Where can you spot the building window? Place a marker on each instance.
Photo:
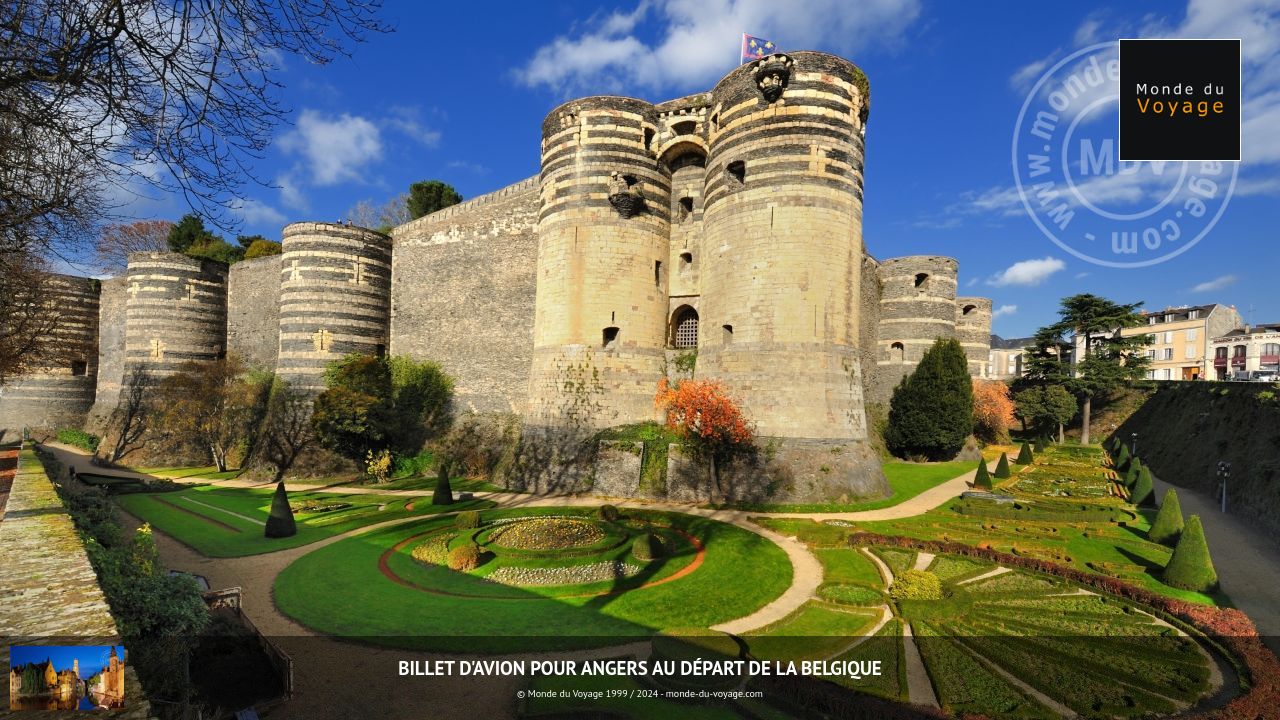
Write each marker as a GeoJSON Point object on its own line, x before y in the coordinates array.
{"type": "Point", "coordinates": [1192, 334]}
{"type": "Point", "coordinates": [1168, 318]}
{"type": "Point", "coordinates": [686, 208]}
{"type": "Point", "coordinates": [1151, 354]}
{"type": "Point", "coordinates": [1193, 315]}
{"type": "Point", "coordinates": [921, 279]}
{"type": "Point", "coordinates": [735, 174]}
{"type": "Point", "coordinates": [1151, 320]}
{"type": "Point", "coordinates": [726, 334]}
{"type": "Point", "coordinates": [610, 337]}
{"type": "Point", "coordinates": [1220, 353]}
{"type": "Point", "coordinates": [1271, 349]}
{"type": "Point", "coordinates": [684, 327]}
{"type": "Point", "coordinates": [897, 352]}
{"type": "Point", "coordinates": [657, 273]}
{"type": "Point", "coordinates": [684, 128]}
{"type": "Point", "coordinates": [686, 259]}
{"type": "Point", "coordinates": [1191, 351]}
{"type": "Point", "coordinates": [1168, 337]}
{"type": "Point", "coordinates": [648, 138]}
{"type": "Point", "coordinates": [1168, 354]}
{"type": "Point", "coordinates": [79, 367]}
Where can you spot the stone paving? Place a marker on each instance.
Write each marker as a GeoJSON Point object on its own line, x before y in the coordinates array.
{"type": "Point", "coordinates": [49, 593]}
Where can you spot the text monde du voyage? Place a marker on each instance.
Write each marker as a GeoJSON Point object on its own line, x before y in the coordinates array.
{"type": "Point", "coordinates": [1180, 99]}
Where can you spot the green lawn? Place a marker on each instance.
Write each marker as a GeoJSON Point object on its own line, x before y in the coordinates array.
{"type": "Point", "coordinates": [907, 480]}
{"type": "Point", "coordinates": [817, 631]}
{"type": "Point", "coordinates": [229, 522]}
{"type": "Point", "coordinates": [332, 589]}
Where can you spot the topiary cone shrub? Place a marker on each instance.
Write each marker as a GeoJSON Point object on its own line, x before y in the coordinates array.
{"type": "Point", "coordinates": [982, 480]}
{"type": "Point", "coordinates": [280, 521]}
{"type": "Point", "coordinates": [647, 547]}
{"type": "Point", "coordinates": [1122, 459]}
{"type": "Point", "coordinates": [1042, 443]}
{"type": "Point", "coordinates": [1167, 526]}
{"type": "Point", "coordinates": [1190, 567]}
{"type": "Point", "coordinates": [1131, 475]}
{"type": "Point", "coordinates": [467, 520]}
{"type": "Point", "coordinates": [444, 491]}
{"type": "Point", "coordinates": [608, 513]}
{"type": "Point", "coordinates": [1143, 489]}
{"type": "Point", "coordinates": [465, 557]}
{"type": "Point", "coordinates": [1002, 467]}
{"type": "Point", "coordinates": [1024, 454]}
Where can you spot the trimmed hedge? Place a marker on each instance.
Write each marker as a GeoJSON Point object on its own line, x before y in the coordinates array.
{"type": "Point", "coordinates": [1143, 489]}
{"type": "Point", "coordinates": [1002, 467]}
{"type": "Point", "coordinates": [647, 547]}
{"type": "Point", "coordinates": [1167, 526]}
{"type": "Point", "coordinates": [465, 557]}
{"type": "Point", "coordinates": [1229, 627]}
{"type": "Point", "coordinates": [982, 480]}
{"type": "Point", "coordinates": [280, 522]}
{"type": "Point", "coordinates": [1024, 455]}
{"type": "Point", "coordinates": [1190, 566]}
{"type": "Point", "coordinates": [608, 513]}
{"type": "Point", "coordinates": [79, 438]}
{"type": "Point", "coordinates": [467, 520]}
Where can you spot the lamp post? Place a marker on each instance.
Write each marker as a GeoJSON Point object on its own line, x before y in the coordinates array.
{"type": "Point", "coordinates": [1224, 474]}
{"type": "Point", "coordinates": [1133, 448]}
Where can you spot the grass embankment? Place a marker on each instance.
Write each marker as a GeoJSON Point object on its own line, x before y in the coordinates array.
{"type": "Point", "coordinates": [1064, 512]}
{"type": "Point", "coordinates": [330, 590]}
{"type": "Point", "coordinates": [229, 522]}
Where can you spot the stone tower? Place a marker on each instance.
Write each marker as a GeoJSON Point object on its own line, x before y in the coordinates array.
{"type": "Point", "coordinates": [60, 390]}
{"type": "Point", "coordinates": [175, 311]}
{"type": "Point", "coordinates": [335, 298]}
{"type": "Point", "coordinates": [782, 228]}
{"type": "Point", "coordinates": [973, 330]}
{"type": "Point", "coordinates": [599, 332]}
{"type": "Point", "coordinates": [917, 306]}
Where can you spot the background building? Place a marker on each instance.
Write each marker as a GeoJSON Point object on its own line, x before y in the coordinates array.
{"type": "Point", "coordinates": [1246, 350]}
{"type": "Point", "coordinates": [1006, 357]}
{"type": "Point", "coordinates": [1179, 339]}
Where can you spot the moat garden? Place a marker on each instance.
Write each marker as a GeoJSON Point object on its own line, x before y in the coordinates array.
{"type": "Point", "coordinates": [1045, 596]}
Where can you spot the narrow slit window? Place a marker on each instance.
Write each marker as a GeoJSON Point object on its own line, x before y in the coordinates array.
{"type": "Point", "coordinates": [648, 138]}
{"type": "Point", "coordinates": [79, 367]}
{"type": "Point", "coordinates": [921, 279]}
{"type": "Point", "coordinates": [657, 273]}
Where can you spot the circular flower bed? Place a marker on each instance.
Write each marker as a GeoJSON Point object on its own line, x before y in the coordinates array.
{"type": "Point", "coordinates": [568, 575]}
{"type": "Point", "coordinates": [547, 534]}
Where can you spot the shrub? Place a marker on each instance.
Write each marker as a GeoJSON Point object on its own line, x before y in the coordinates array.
{"type": "Point", "coordinates": [1131, 476]}
{"type": "Point", "coordinates": [931, 412]}
{"type": "Point", "coordinates": [467, 520]}
{"type": "Point", "coordinates": [1002, 467]}
{"type": "Point", "coordinates": [1024, 454]}
{"type": "Point", "coordinates": [647, 547]}
{"type": "Point", "coordinates": [1122, 458]}
{"type": "Point", "coordinates": [1143, 489]}
{"type": "Point", "coordinates": [465, 557]}
{"type": "Point", "coordinates": [916, 585]}
{"type": "Point", "coordinates": [262, 248]}
{"type": "Point", "coordinates": [1168, 523]}
{"type": "Point", "coordinates": [280, 522]}
{"type": "Point", "coordinates": [1042, 443]}
{"type": "Point", "coordinates": [434, 550]}
{"type": "Point", "coordinates": [79, 438]}
{"type": "Point", "coordinates": [992, 410]}
{"type": "Point", "coordinates": [444, 491]}
{"type": "Point", "coordinates": [608, 513]}
{"type": "Point", "coordinates": [1190, 566]}
{"type": "Point", "coordinates": [982, 480]}
{"type": "Point", "coordinates": [404, 466]}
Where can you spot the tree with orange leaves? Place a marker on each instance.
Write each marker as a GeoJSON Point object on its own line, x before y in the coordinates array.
{"type": "Point", "coordinates": [708, 419]}
{"type": "Point", "coordinates": [992, 410]}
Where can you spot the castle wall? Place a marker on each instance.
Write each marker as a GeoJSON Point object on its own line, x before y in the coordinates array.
{"type": "Point", "coordinates": [60, 391]}
{"type": "Point", "coordinates": [917, 306]}
{"type": "Point", "coordinates": [600, 321]}
{"type": "Point", "coordinates": [111, 332]}
{"type": "Point", "coordinates": [253, 311]}
{"type": "Point", "coordinates": [335, 298]}
{"type": "Point", "coordinates": [783, 233]}
{"type": "Point", "coordinates": [463, 289]}
{"type": "Point", "coordinates": [973, 330]}
{"type": "Point", "coordinates": [176, 311]}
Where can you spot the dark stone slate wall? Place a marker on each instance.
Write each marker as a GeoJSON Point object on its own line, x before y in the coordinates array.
{"type": "Point", "coordinates": [253, 311]}
{"type": "Point", "coordinates": [176, 311]}
{"type": "Point", "coordinates": [111, 333]}
{"type": "Point", "coordinates": [463, 294]}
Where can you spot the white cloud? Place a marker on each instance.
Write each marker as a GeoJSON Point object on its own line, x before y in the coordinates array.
{"type": "Point", "coordinates": [1217, 283]}
{"type": "Point", "coordinates": [408, 120]}
{"type": "Point", "coordinates": [335, 149]}
{"type": "Point", "coordinates": [1004, 310]}
{"type": "Point", "coordinates": [1027, 272]}
{"type": "Point", "coordinates": [291, 192]}
{"type": "Point", "coordinates": [1081, 275]}
{"type": "Point", "coordinates": [698, 40]}
{"type": "Point", "coordinates": [256, 212]}
{"type": "Point", "coordinates": [469, 167]}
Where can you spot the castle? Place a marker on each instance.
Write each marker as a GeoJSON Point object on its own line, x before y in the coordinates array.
{"type": "Point", "coordinates": [727, 222]}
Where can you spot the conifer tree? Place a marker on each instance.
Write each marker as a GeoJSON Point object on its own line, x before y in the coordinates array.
{"type": "Point", "coordinates": [1190, 566]}
{"type": "Point", "coordinates": [1002, 467]}
{"type": "Point", "coordinates": [982, 480]}
{"type": "Point", "coordinates": [280, 521]}
{"type": "Point", "coordinates": [1024, 454]}
{"type": "Point", "coordinates": [1143, 489]}
{"type": "Point", "coordinates": [931, 412]}
{"type": "Point", "coordinates": [1167, 526]}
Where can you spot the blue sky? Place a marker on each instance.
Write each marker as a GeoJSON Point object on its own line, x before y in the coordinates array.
{"type": "Point", "coordinates": [458, 92]}
{"type": "Point", "coordinates": [93, 658]}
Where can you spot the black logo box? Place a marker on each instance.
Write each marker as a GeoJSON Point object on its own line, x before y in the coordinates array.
{"type": "Point", "coordinates": [1183, 65]}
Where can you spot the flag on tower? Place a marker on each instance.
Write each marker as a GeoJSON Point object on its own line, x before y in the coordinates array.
{"type": "Point", "coordinates": [754, 48]}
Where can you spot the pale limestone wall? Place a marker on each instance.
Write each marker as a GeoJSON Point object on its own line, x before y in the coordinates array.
{"type": "Point", "coordinates": [462, 294]}
{"type": "Point", "coordinates": [973, 330]}
{"type": "Point", "coordinates": [253, 311]}
{"type": "Point", "coordinates": [602, 297]}
{"type": "Point", "coordinates": [784, 249]}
